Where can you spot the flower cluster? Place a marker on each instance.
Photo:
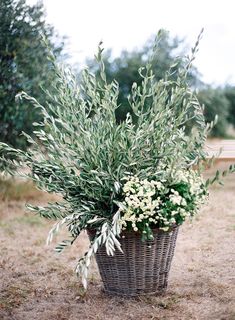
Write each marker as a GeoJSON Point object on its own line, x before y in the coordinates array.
{"type": "Point", "coordinates": [153, 204]}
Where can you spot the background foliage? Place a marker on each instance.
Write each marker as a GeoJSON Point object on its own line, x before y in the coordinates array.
{"type": "Point", "coordinates": [124, 69]}
{"type": "Point", "coordinates": [229, 92]}
{"type": "Point", "coordinates": [23, 66]}
{"type": "Point", "coordinates": [218, 101]}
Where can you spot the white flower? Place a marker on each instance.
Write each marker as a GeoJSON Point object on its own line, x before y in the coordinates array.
{"type": "Point", "coordinates": [158, 185]}
{"type": "Point", "coordinates": [175, 199]}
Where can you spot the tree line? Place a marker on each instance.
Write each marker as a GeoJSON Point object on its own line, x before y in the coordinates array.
{"type": "Point", "coordinates": [24, 66]}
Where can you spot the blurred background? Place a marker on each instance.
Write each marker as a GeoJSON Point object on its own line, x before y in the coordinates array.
{"type": "Point", "coordinates": [73, 30]}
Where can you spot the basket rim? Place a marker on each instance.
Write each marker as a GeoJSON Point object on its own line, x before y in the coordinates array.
{"type": "Point", "coordinates": [128, 232]}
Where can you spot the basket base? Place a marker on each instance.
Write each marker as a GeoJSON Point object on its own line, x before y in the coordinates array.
{"type": "Point", "coordinates": [113, 292]}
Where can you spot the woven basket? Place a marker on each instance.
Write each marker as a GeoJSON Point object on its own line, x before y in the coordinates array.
{"type": "Point", "coordinates": [142, 269]}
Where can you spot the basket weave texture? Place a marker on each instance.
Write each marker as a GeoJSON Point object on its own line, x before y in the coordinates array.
{"type": "Point", "coordinates": [142, 268]}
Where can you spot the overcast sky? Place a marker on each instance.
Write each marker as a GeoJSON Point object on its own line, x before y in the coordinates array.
{"type": "Point", "coordinates": [126, 24]}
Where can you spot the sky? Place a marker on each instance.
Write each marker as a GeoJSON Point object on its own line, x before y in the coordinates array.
{"type": "Point", "coordinates": [127, 24]}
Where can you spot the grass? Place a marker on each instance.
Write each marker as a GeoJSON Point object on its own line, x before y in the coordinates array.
{"type": "Point", "coordinates": [14, 296]}
{"type": "Point", "coordinates": [28, 219]}
{"type": "Point", "coordinates": [11, 189]}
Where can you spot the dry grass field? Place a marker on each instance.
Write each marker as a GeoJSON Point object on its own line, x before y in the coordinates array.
{"type": "Point", "coordinates": [37, 284]}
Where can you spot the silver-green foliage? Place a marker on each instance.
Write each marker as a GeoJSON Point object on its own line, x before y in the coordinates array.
{"type": "Point", "coordinates": [82, 153]}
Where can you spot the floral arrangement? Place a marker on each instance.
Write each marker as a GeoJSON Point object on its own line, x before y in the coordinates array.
{"type": "Point", "coordinates": [142, 173]}
{"type": "Point", "coordinates": [161, 204]}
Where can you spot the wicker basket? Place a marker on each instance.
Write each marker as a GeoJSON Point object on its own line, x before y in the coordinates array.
{"type": "Point", "coordinates": [142, 269]}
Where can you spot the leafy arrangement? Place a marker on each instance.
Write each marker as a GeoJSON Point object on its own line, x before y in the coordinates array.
{"type": "Point", "coordinates": [137, 174]}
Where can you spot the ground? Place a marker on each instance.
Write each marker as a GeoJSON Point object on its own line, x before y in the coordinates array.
{"type": "Point", "coordinates": [38, 284]}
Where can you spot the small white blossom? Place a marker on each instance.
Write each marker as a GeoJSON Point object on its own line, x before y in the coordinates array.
{"type": "Point", "coordinates": [175, 199]}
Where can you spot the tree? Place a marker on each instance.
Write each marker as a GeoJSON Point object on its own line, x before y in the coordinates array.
{"type": "Point", "coordinates": [125, 68]}
{"type": "Point", "coordinates": [23, 65]}
{"type": "Point", "coordinates": [216, 103]}
{"type": "Point", "coordinates": [229, 92]}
